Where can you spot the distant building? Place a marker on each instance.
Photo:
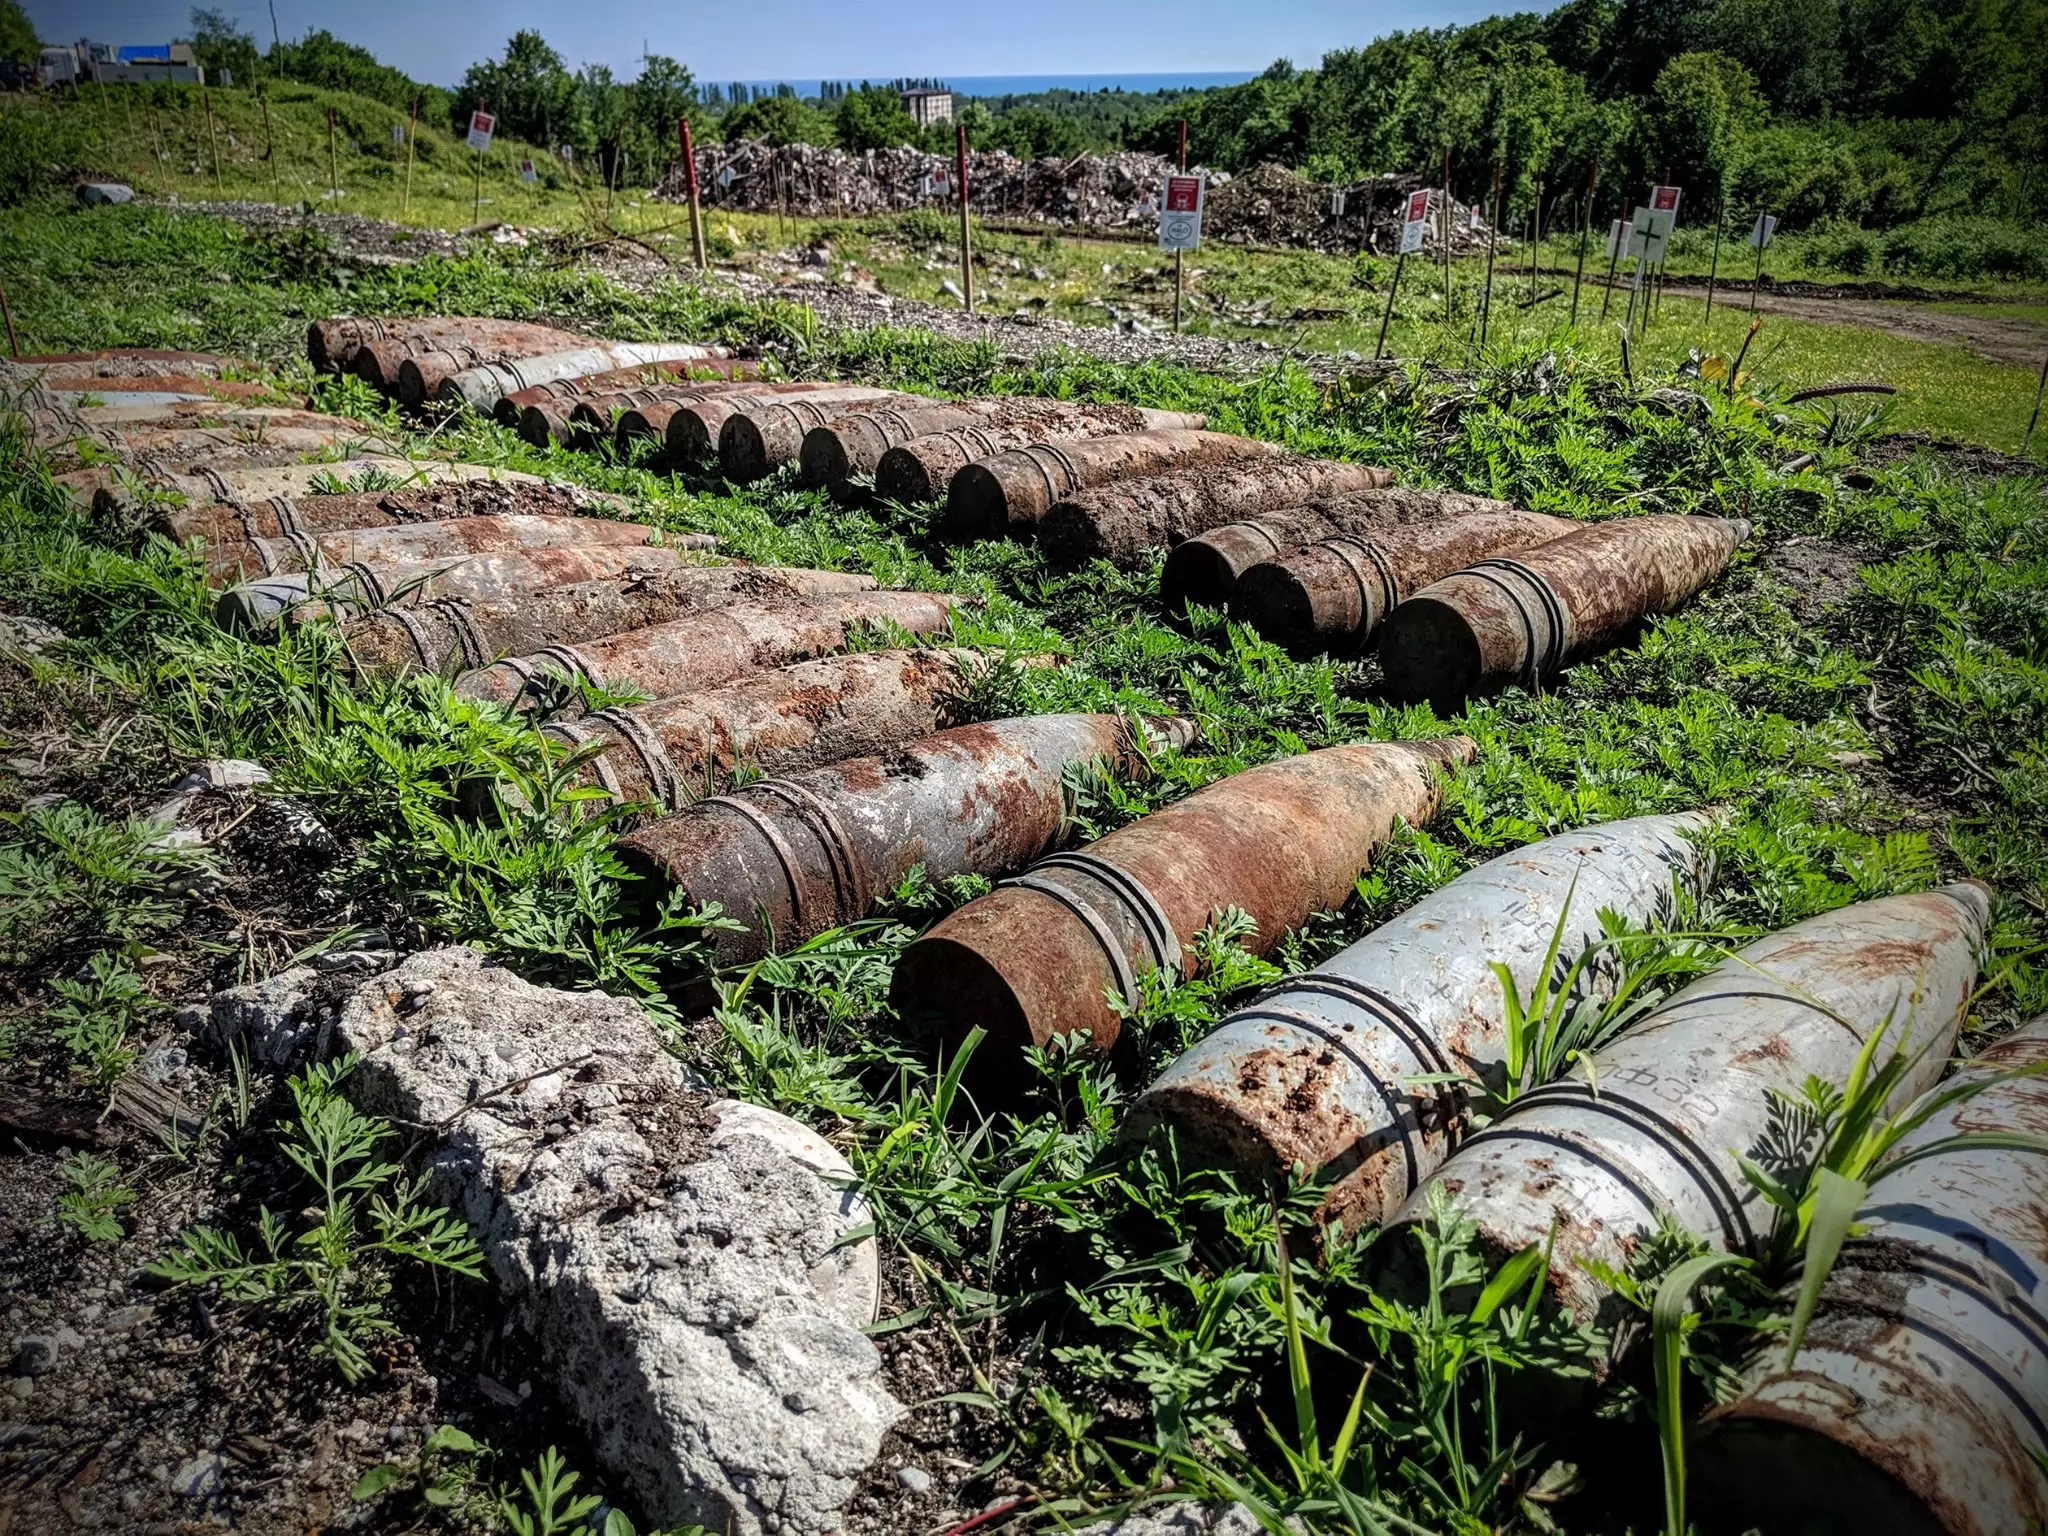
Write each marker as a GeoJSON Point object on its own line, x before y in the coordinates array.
{"type": "Point", "coordinates": [134, 65]}
{"type": "Point", "coordinates": [927, 106]}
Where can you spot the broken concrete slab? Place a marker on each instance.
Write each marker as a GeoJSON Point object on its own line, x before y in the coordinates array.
{"type": "Point", "coordinates": [673, 1256]}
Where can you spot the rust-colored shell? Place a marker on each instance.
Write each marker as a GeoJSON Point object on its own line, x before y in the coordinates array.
{"type": "Point", "coordinates": [1009, 493]}
{"type": "Point", "coordinates": [1039, 956]}
{"type": "Point", "coordinates": [919, 470]}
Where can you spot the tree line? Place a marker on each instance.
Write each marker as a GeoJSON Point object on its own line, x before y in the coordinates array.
{"type": "Point", "coordinates": [1875, 111]}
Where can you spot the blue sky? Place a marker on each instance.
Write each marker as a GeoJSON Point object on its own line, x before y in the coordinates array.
{"type": "Point", "coordinates": [806, 39]}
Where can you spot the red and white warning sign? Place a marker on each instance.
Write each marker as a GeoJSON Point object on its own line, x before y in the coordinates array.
{"type": "Point", "coordinates": [1180, 213]}
{"type": "Point", "coordinates": [1665, 199]}
{"type": "Point", "coordinates": [481, 126]}
{"type": "Point", "coordinates": [1414, 222]}
{"type": "Point", "coordinates": [526, 171]}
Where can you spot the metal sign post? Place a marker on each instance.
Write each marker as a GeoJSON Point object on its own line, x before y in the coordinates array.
{"type": "Point", "coordinates": [212, 136]}
{"type": "Point", "coordinates": [1179, 252]}
{"type": "Point", "coordinates": [1445, 223]}
{"type": "Point", "coordinates": [1760, 236]}
{"type": "Point", "coordinates": [1413, 227]}
{"type": "Point", "coordinates": [270, 153]}
{"type": "Point", "coordinates": [14, 342]}
{"type": "Point", "coordinates": [966, 247]}
{"type": "Point", "coordinates": [2025, 442]}
{"type": "Point", "coordinates": [481, 126]}
{"type": "Point", "coordinates": [1714, 261]}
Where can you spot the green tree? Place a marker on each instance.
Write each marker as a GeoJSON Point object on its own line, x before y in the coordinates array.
{"type": "Point", "coordinates": [662, 97]}
{"type": "Point", "coordinates": [873, 117]}
{"type": "Point", "coordinates": [1702, 114]}
{"type": "Point", "coordinates": [219, 45]}
{"type": "Point", "coordinates": [530, 91]}
{"type": "Point", "coordinates": [18, 42]}
{"type": "Point", "coordinates": [778, 120]}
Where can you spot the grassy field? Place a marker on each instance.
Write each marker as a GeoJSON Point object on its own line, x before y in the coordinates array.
{"type": "Point", "coordinates": [160, 140]}
{"type": "Point", "coordinates": [1115, 1323]}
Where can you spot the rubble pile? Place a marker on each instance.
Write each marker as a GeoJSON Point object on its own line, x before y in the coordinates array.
{"type": "Point", "coordinates": [1268, 205]}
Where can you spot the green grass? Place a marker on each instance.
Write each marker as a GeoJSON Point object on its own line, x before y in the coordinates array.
{"type": "Point", "coordinates": [1116, 1318]}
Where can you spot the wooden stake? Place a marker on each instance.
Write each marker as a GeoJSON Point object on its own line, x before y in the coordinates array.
{"type": "Point", "coordinates": [212, 138]}
{"type": "Point", "coordinates": [270, 152]}
{"type": "Point", "coordinates": [412, 136]}
{"type": "Point", "coordinates": [1492, 244]}
{"type": "Point", "coordinates": [966, 248]}
{"type": "Point", "coordinates": [696, 203]}
{"type": "Point", "coordinates": [14, 342]}
{"type": "Point", "coordinates": [1585, 234]}
{"type": "Point", "coordinates": [1180, 257]}
{"type": "Point", "coordinates": [333, 165]}
{"type": "Point", "coordinates": [2032, 421]}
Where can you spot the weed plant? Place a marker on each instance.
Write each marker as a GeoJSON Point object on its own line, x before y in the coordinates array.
{"type": "Point", "coordinates": [1123, 1324]}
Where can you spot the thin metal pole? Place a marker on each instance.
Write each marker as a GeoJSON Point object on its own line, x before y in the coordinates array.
{"type": "Point", "coordinates": [966, 248]}
{"type": "Point", "coordinates": [1180, 257]}
{"type": "Point", "coordinates": [333, 166]}
{"type": "Point", "coordinates": [696, 205]}
{"type": "Point", "coordinates": [14, 342]}
{"type": "Point", "coordinates": [1445, 223]}
{"type": "Point", "coordinates": [1386, 315]}
{"type": "Point", "coordinates": [1714, 261]}
{"type": "Point", "coordinates": [1536, 242]}
{"type": "Point", "coordinates": [2032, 421]}
{"type": "Point", "coordinates": [1585, 235]}
{"type": "Point", "coordinates": [412, 138]}
{"type": "Point", "coordinates": [1492, 243]}
{"type": "Point", "coordinates": [1614, 260]}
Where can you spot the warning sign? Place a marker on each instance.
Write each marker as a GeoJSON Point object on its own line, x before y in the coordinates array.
{"type": "Point", "coordinates": [1665, 199]}
{"type": "Point", "coordinates": [1617, 238]}
{"type": "Point", "coordinates": [526, 170]}
{"type": "Point", "coordinates": [1414, 222]}
{"type": "Point", "coordinates": [1180, 217]}
{"type": "Point", "coordinates": [481, 126]}
{"type": "Point", "coordinates": [1763, 230]}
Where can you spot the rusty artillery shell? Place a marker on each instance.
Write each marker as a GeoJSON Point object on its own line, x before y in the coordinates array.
{"type": "Point", "coordinates": [351, 589]}
{"type": "Point", "coordinates": [591, 419]}
{"type": "Point", "coordinates": [454, 539]}
{"type": "Point", "coordinates": [791, 858]}
{"type": "Point", "coordinates": [709, 370]}
{"type": "Point", "coordinates": [1037, 957]}
{"type": "Point", "coordinates": [1205, 569]}
{"type": "Point", "coordinates": [1918, 1400]}
{"type": "Point", "coordinates": [110, 497]}
{"type": "Point", "coordinates": [706, 410]}
{"type": "Point", "coordinates": [1124, 520]}
{"type": "Point", "coordinates": [1526, 618]}
{"type": "Point", "coordinates": [332, 344]}
{"type": "Point", "coordinates": [781, 720]}
{"type": "Point", "coordinates": [418, 370]}
{"type": "Point", "coordinates": [919, 470]}
{"type": "Point", "coordinates": [1320, 1070]}
{"type": "Point", "coordinates": [1332, 596]}
{"type": "Point", "coordinates": [1008, 494]}
{"type": "Point", "coordinates": [481, 388]}
{"type": "Point", "coordinates": [856, 444]}
{"type": "Point", "coordinates": [705, 649]}
{"type": "Point", "coordinates": [244, 435]}
{"type": "Point", "coordinates": [451, 635]}
{"type": "Point", "coordinates": [759, 436]}
{"type": "Point", "coordinates": [410, 365]}
{"type": "Point", "coordinates": [223, 525]}
{"type": "Point", "coordinates": [1652, 1124]}
{"type": "Point", "coordinates": [152, 388]}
